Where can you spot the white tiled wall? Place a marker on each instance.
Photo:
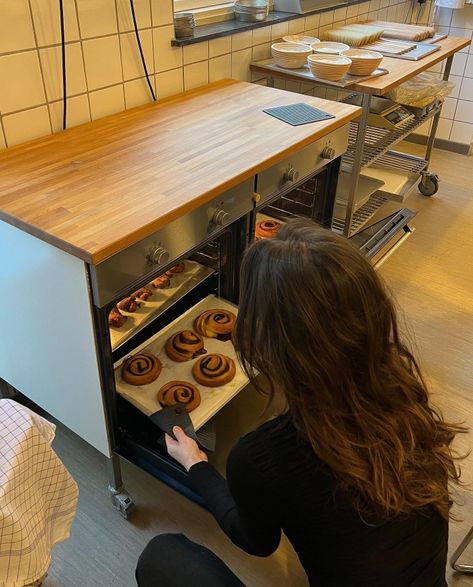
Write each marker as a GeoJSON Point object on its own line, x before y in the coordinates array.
{"type": "Point", "coordinates": [456, 123]}
{"type": "Point", "coordinates": [105, 74]}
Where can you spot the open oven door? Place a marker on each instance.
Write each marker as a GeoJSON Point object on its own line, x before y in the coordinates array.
{"type": "Point", "coordinates": [381, 239]}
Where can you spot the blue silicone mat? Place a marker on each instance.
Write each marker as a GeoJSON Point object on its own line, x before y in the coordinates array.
{"type": "Point", "coordinates": [300, 113]}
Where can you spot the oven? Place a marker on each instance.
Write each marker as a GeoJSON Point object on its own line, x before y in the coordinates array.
{"type": "Point", "coordinates": [194, 262]}
{"type": "Point", "coordinates": [305, 185]}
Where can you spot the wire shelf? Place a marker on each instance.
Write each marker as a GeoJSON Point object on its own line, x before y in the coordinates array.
{"type": "Point", "coordinates": [362, 215]}
{"type": "Point", "coordinates": [379, 140]}
{"type": "Point", "coordinates": [402, 162]}
{"type": "Point", "coordinates": [304, 200]}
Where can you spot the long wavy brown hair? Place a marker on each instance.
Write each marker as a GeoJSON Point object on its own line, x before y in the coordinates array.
{"type": "Point", "coordinates": [316, 322]}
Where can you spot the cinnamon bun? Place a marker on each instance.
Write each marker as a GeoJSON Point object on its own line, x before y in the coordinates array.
{"type": "Point", "coordinates": [179, 268]}
{"type": "Point", "coordinates": [161, 282]}
{"type": "Point", "coordinates": [179, 392]}
{"type": "Point", "coordinates": [215, 323]}
{"type": "Point", "coordinates": [267, 228]}
{"type": "Point", "coordinates": [214, 370]}
{"type": "Point", "coordinates": [184, 346]}
{"type": "Point", "coordinates": [116, 319]}
{"type": "Point", "coordinates": [144, 293]}
{"type": "Point", "coordinates": [141, 369]}
{"type": "Point", "coordinates": [128, 304]}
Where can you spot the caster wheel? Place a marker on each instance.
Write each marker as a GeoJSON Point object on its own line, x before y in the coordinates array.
{"type": "Point", "coordinates": [429, 185]}
{"type": "Point", "coordinates": [123, 503]}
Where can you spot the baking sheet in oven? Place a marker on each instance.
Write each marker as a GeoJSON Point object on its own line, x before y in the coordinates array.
{"type": "Point", "coordinates": [181, 283]}
{"type": "Point", "coordinates": [213, 399]}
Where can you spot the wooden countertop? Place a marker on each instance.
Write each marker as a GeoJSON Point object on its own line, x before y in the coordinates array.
{"type": "Point", "coordinates": [97, 188]}
{"type": "Point", "coordinates": [399, 70]}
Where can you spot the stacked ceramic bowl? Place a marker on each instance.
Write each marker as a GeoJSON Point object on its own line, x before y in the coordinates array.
{"type": "Point", "coordinates": [304, 39]}
{"type": "Point", "coordinates": [290, 55]}
{"type": "Point", "coordinates": [329, 67]}
{"type": "Point", "coordinates": [363, 62]}
{"type": "Point", "coordinates": [329, 47]}
{"type": "Point", "coordinates": [184, 25]}
{"type": "Point", "coordinates": [251, 10]}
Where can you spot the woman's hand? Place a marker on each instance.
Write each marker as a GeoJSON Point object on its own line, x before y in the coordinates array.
{"type": "Point", "coordinates": [184, 449]}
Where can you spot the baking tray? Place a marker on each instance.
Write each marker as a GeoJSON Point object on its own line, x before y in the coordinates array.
{"type": "Point", "coordinates": [437, 37]}
{"type": "Point", "coordinates": [144, 397]}
{"type": "Point", "coordinates": [181, 283]}
{"type": "Point", "coordinates": [421, 50]}
{"type": "Point", "coordinates": [304, 73]}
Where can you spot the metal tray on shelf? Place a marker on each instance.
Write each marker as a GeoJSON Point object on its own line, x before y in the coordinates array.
{"type": "Point", "coordinates": [379, 140]}
{"type": "Point", "coordinates": [181, 284]}
{"type": "Point", "coordinates": [304, 74]}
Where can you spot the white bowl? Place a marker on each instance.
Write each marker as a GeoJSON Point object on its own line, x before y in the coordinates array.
{"type": "Point", "coordinates": [304, 39]}
{"type": "Point", "coordinates": [330, 67]}
{"type": "Point", "coordinates": [330, 47]}
{"type": "Point", "coordinates": [290, 55]}
{"type": "Point", "coordinates": [364, 61]}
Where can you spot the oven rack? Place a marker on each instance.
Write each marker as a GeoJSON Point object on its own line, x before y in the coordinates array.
{"type": "Point", "coordinates": [363, 215]}
{"type": "Point", "coordinates": [302, 201]}
{"type": "Point", "coordinates": [379, 140]}
{"type": "Point", "coordinates": [409, 165]}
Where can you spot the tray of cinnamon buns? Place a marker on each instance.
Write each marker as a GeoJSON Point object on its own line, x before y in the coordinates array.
{"type": "Point", "coordinates": [133, 312]}
{"type": "Point", "coordinates": [190, 361]}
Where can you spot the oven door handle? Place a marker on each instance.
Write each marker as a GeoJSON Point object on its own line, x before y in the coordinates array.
{"type": "Point", "coordinates": [408, 231]}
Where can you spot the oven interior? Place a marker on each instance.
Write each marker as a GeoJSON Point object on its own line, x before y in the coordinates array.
{"type": "Point", "coordinates": [313, 198]}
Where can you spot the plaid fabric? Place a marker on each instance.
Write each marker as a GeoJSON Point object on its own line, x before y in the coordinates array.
{"type": "Point", "coordinates": [38, 497]}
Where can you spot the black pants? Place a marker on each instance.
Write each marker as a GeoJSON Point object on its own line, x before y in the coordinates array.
{"type": "Point", "coordinates": [172, 560]}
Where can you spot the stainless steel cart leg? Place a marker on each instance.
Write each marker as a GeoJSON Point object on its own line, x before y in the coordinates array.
{"type": "Point", "coordinates": [462, 568]}
{"type": "Point", "coordinates": [355, 173]}
{"type": "Point", "coordinates": [120, 499]}
{"type": "Point", "coordinates": [429, 183]}
{"type": "Point", "coordinates": [435, 122]}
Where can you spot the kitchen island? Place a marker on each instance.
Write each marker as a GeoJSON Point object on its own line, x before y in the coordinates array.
{"type": "Point", "coordinates": [88, 203]}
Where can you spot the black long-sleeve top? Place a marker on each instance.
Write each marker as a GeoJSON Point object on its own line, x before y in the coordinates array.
{"type": "Point", "coordinates": [276, 483]}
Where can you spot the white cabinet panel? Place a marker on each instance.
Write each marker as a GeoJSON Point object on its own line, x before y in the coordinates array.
{"type": "Point", "coordinates": [47, 348]}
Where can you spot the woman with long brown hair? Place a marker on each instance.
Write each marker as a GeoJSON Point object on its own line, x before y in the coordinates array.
{"type": "Point", "coordinates": [357, 471]}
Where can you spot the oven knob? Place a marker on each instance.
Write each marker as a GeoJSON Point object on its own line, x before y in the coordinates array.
{"type": "Point", "coordinates": [159, 256]}
{"type": "Point", "coordinates": [220, 217]}
{"type": "Point", "coordinates": [328, 153]}
{"type": "Point", "coordinates": [291, 174]}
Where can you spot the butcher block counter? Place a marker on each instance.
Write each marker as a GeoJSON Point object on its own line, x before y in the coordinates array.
{"type": "Point", "coordinates": [95, 189]}
{"type": "Point", "coordinates": [77, 211]}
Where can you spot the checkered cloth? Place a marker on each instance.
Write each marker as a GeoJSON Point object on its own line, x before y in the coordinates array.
{"type": "Point", "coordinates": [38, 497]}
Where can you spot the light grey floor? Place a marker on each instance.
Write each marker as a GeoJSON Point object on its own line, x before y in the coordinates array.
{"type": "Point", "coordinates": [103, 548]}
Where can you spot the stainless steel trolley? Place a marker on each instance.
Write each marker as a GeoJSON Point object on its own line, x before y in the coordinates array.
{"type": "Point", "coordinates": [370, 144]}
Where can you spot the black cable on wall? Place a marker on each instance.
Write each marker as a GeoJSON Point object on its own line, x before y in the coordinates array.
{"type": "Point", "coordinates": [138, 40]}
{"type": "Point", "coordinates": [63, 63]}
